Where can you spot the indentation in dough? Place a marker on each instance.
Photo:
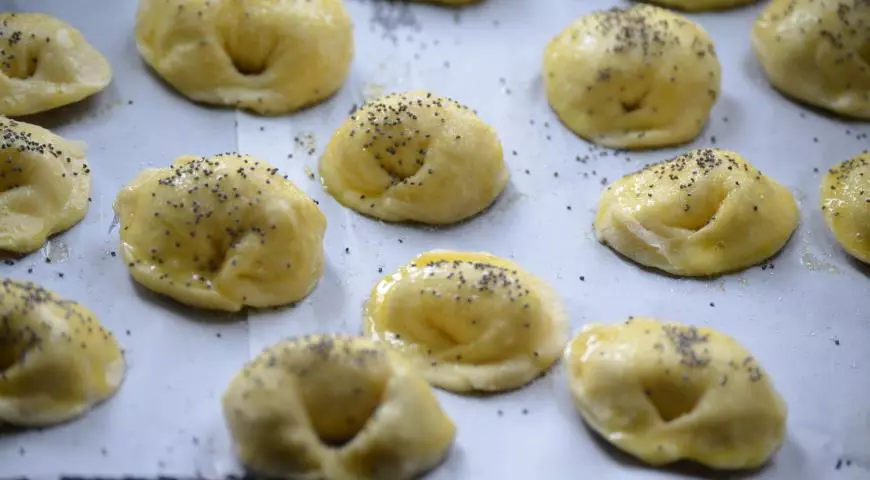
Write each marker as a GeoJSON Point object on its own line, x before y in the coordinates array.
{"type": "Point", "coordinates": [632, 105]}
{"type": "Point", "coordinates": [401, 158]}
{"type": "Point", "coordinates": [356, 394]}
{"type": "Point", "coordinates": [700, 210]}
{"type": "Point", "coordinates": [21, 68]}
{"type": "Point", "coordinates": [674, 398]}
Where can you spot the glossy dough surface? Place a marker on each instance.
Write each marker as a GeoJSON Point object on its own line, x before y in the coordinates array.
{"type": "Point", "coordinates": [705, 212]}
{"type": "Point", "coordinates": [221, 232]}
{"type": "Point", "coordinates": [414, 157]}
{"type": "Point", "coordinates": [818, 51]}
{"type": "Point", "coordinates": [845, 196]}
{"type": "Point", "coordinates": [46, 63]}
{"type": "Point", "coordinates": [665, 392]}
{"type": "Point", "coordinates": [470, 321]}
{"type": "Point", "coordinates": [632, 78]}
{"type": "Point", "coordinates": [335, 408]}
{"type": "Point", "coordinates": [56, 358]}
{"type": "Point", "coordinates": [44, 185]}
{"type": "Point", "coordinates": [268, 56]}
{"type": "Point", "coordinates": [700, 5]}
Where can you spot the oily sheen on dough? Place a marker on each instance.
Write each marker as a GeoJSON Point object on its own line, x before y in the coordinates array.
{"type": "Point", "coordinates": [46, 63]}
{"type": "Point", "coordinates": [335, 408]}
{"type": "Point", "coordinates": [639, 77]}
{"type": "Point", "coordinates": [705, 212]}
{"type": "Point", "coordinates": [221, 232]}
{"type": "Point", "coordinates": [45, 183]}
{"type": "Point", "coordinates": [267, 56]}
{"type": "Point", "coordinates": [470, 321]}
{"type": "Point", "coordinates": [56, 361]}
{"type": "Point", "coordinates": [665, 392]}
{"type": "Point", "coordinates": [414, 157]}
{"type": "Point", "coordinates": [845, 198]}
{"type": "Point", "coordinates": [818, 51]}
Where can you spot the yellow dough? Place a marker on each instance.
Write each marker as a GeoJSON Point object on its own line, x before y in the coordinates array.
{"type": "Point", "coordinates": [470, 321]}
{"type": "Point", "coordinates": [632, 78]}
{"type": "Point", "coordinates": [222, 233]}
{"type": "Point", "coordinates": [44, 185]}
{"type": "Point", "coordinates": [705, 212]}
{"type": "Point", "coordinates": [845, 194]}
{"type": "Point", "coordinates": [56, 360]}
{"type": "Point", "coordinates": [268, 56]}
{"type": "Point", "coordinates": [335, 408]}
{"type": "Point", "coordinates": [701, 5]}
{"type": "Point", "coordinates": [665, 392]}
{"type": "Point", "coordinates": [414, 156]}
{"type": "Point", "coordinates": [818, 51]}
{"type": "Point", "coordinates": [46, 63]}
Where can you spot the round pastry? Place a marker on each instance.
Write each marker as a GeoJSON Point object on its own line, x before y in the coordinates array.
{"type": "Point", "coordinates": [700, 5]}
{"type": "Point", "coordinates": [705, 212]}
{"type": "Point", "coordinates": [470, 321]}
{"type": "Point", "coordinates": [632, 78]}
{"type": "Point", "coordinates": [46, 63]}
{"type": "Point", "coordinates": [414, 156]}
{"type": "Point", "coordinates": [45, 183]}
{"type": "Point", "coordinates": [665, 392]}
{"type": "Point", "coordinates": [261, 55]}
{"type": "Point", "coordinates": [818, 51]}
{"type": "Point", "coordinates": [332, 407]}
{"type": "Point", "coordinates": [845, 194]}
{"type": "Point", "coordinates": [56, 360]}
{"type": "Point", "coordinates": [222, 232]}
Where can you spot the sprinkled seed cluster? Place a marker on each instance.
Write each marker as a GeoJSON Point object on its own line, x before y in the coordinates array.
{"type": "Point", "coordinates": [684, 340]}
{"type": "Point", "coordinates": [842, 174]}
{"type": "Point", "coordinates": [640, 30]}
{"type": "Point", "coordinates": [23, 333]}
{"type": "Point", "coordinates": [849, 27]}
{"type": "Point", "coordinates": [318, 351]}
{"type": "Point", "coordinates": [390, 130]}
{"type": "Point", "coordinates": [485, 281]}
{"type": "Point", "coordinates": [16, 47]}
{"type": "Point", "coordinates": [16, 143]}
{"type": "Point", "coordinates": [687, 169]}
{"type": "Point", "coordinates": [215, 211]}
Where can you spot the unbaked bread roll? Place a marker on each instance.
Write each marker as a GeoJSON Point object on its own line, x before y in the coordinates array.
{"type": "Point", "coordinates": [470, 321]}
{"type": "Point", "coordinates": [845, 196]}
{"type": "Point", "coordinates": [665, 392]}
{"type": "Point", "coordinates": [705, 212]}
{"type": "Point", "coordinates": [56, 359]}
{"type": "Point", "coordinates": [46, 63]}
{"type": "Point", "coordinates": [633, 78]}
{"type": "Point", "coordinates": [818, 51]}
{"type": "Point", "coordinates": [268, 56]}
{"type": "Point", "coordinates": [414, 156]}
{"type": "Point", "coordinates": [337, 408]}
{"type": "Point", "coordinates": [45, 183]}
{"type": "Point", "coordinates": [700, 5]}
{"type": "Point", "coordinates": [222, 232]}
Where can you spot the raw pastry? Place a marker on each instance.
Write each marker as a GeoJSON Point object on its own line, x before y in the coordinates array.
{"type": "Point", "coordinates": [845, 194]}
{"type": "Point", "coordinates": [261, 55]}
{"type": "Point", "coordinates": [818, 51]}
{"type": "Point", "coordinates": [46, 63]}
{"type": "Point", "coordinates": [634, 78]}
{"type": "Point", "coordinates": [337, 408]}
{"type": "Point", "coordinates": [470, 321]}
{"type": "Point", "coordinates": [665, 392]}
{"type": "Point", "coordinates": [44, 185]}
{"type": "Point", "coordinates": [415, 156]}
{"type": "Point", "coordinates": [705, 212]}
{"type": "Point", "coordinates": [56, 360]}
{"type": "Point", "coordinates": [700, 5]}
{"type": "Point", "coordinates": [221, 232]}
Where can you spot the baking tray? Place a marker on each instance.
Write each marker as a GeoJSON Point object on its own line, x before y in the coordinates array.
{"type": "Point", "coordinates": [805, 314]}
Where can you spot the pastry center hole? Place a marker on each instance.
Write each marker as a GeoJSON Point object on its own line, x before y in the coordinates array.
{"type": "Point", "coordinates": [18, 63]}
{"type": "Point", "coordinates": [697, 211]}
{"type": "Point", "coordinates": [672, 400]}
{"type": "Point", "coordinates": [341, 395]}
{"type": "Point", "coordinates": [248, 66]}
{"type": "Point", "coordinates": [401, 152]}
